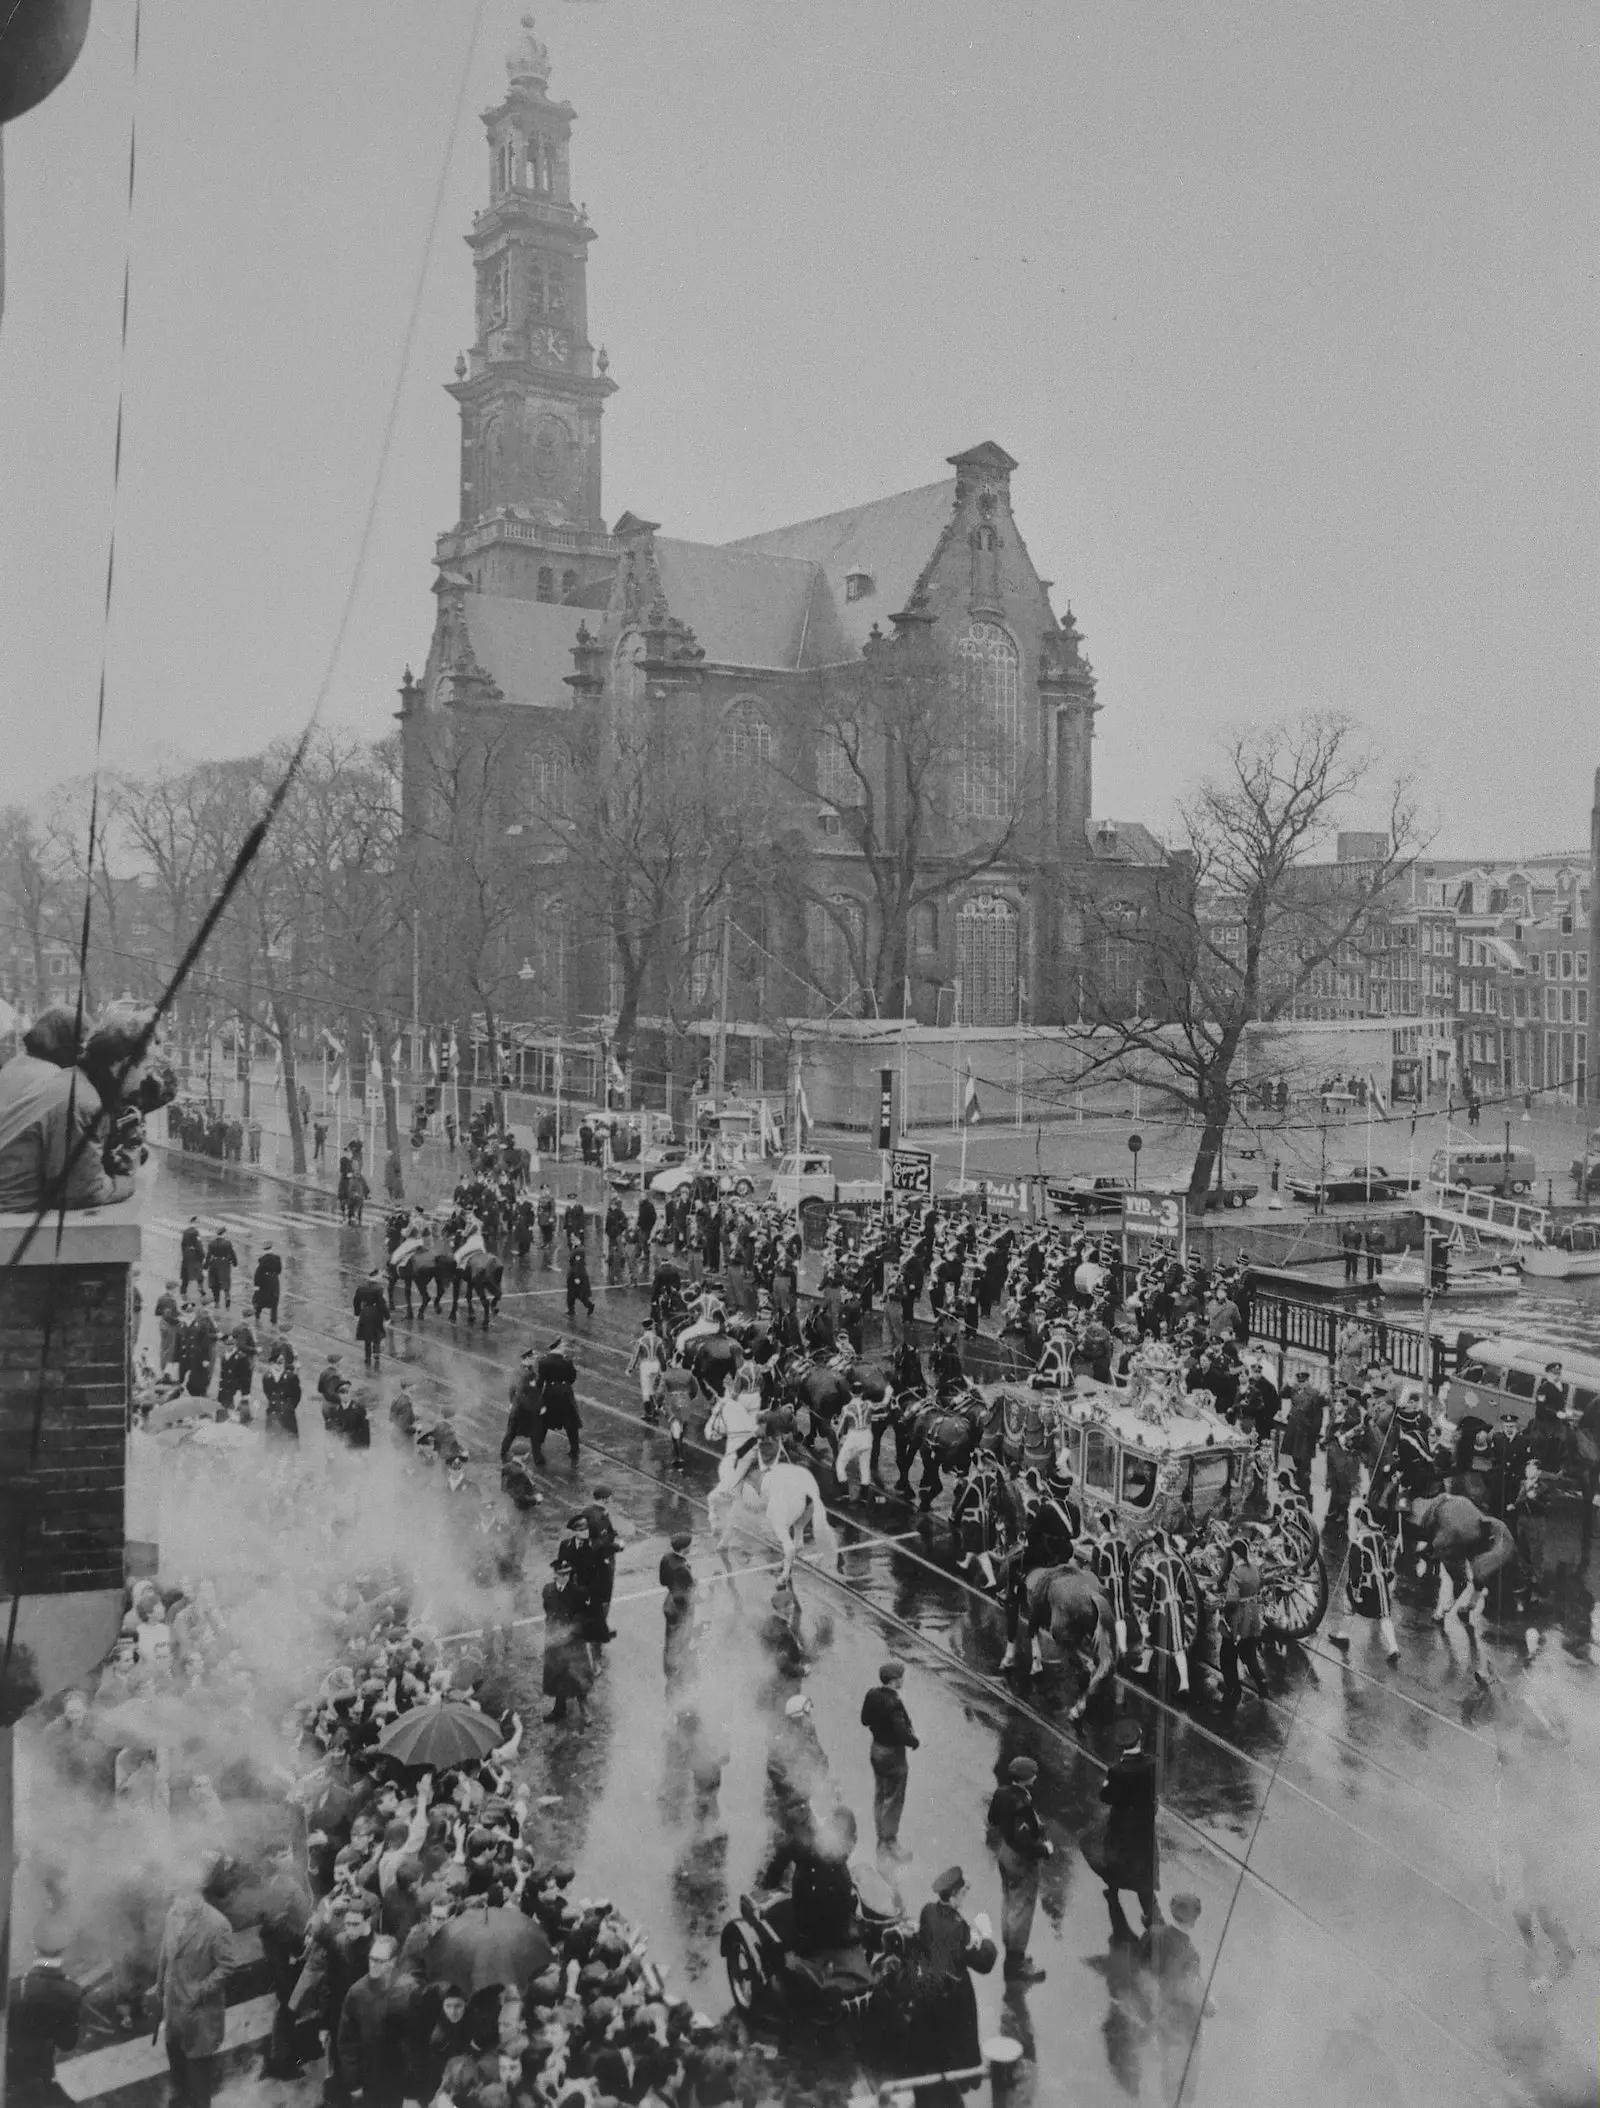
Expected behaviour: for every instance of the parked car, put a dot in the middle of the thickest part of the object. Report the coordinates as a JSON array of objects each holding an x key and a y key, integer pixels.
[
  {"x": 1232, "y": 1193},
  {"x": 1350, "y": 1182},
  {"x": 1088, "y": 1196},
  {"x": 694, "y": 1170}
]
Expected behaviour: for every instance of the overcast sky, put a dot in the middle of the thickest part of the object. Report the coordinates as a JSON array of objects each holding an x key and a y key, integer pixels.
[{"x": 1288, "y": 314}]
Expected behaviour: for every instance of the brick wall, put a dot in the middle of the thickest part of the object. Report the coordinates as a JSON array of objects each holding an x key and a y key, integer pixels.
[{"x": 65, "y": 1341}]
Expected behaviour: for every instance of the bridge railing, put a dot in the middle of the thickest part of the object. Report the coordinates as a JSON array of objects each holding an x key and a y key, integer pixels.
[
  {"x": 1319, "y": 1330},
  {"x": 1518, "y": 1221}
]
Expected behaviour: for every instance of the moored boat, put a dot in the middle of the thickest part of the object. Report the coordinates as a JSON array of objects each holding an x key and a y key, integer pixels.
[{"x": 1568, "y": 1254}]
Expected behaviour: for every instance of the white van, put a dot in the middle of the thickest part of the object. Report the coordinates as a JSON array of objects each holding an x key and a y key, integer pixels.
[{"x": 1488, "y": 1169}]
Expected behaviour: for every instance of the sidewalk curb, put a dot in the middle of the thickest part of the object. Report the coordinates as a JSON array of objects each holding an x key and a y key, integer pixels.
[{"x": 296, "y": 1181}]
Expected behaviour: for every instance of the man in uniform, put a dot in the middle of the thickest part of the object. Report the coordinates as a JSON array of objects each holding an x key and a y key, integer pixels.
[
  {"x": 191, "y": 1257},
  {"x": 1369, "y": 1583},
  {"x": 677, "y": 1609},
  {"x": 604, "y": 1544},
  {"x": 1020, "y": 1847},
  {"x": 578, "y": 1288},
  {"x": 46, "y": 2009},
  {"x": 268, "y": 1283},
  {"x": 884, "y": 1716},
  {"x": 555, "y": 1375},
  {"x": 221, "y": 1259}
]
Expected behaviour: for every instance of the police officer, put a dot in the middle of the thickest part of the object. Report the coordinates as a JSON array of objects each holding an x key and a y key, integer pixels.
[
  {"x": 268, "y": 1284},
  {"x": 948, "y": 1949},
  {"x": 555, "y": 1374},
  {"x": 523, "y": 1419},
  {"x": 46, "y": 2010}
]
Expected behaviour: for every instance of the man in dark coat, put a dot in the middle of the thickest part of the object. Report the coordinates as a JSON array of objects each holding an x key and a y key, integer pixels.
[
  {"x": 268, "y": 1283},
  {"x": 604, "y": 1544},
  {"x": 191, "y": 1257},
  {"x": 197, "y": 1352},
  {"x": 1020, "y": 1845},
  {"x": 369, "y": 2050},
  {"x": 221, "y": 1259},
  {"x": 578, "y": 1289},
  {"x": 555, "y": 1377},
  {"x": 948, "y": 1951},
  {"x": 371, "y": 1307},
  {"x": 1123, "y": 1850},
  {"x": 884, "y": 1716},
  {"x": 522, "y": 1422},
  {"x": 46, "y": 2009},
  {"x": 285, "y": 1905}
]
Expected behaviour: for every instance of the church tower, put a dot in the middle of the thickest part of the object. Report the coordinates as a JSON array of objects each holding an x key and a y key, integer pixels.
[{"x": 531, "y": 389}]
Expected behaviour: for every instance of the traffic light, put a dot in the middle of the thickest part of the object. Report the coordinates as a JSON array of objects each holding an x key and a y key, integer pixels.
[{"x": 430, "y": 1100}]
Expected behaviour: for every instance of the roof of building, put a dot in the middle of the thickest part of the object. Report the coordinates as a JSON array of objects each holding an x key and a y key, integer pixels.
[
  {"x": 1123, "y": 842},
  {"x": 746, "y": 608},
  {"x": 526, "y": 645},
  {"x": 890, "y": 540}
]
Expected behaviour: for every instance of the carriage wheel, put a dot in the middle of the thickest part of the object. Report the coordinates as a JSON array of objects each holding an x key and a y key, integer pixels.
[
  {"x": 1165, "y": 1599},
  {"x": 1294, "y": 1599},
  {"x": 1298, "y": 1541},
  {"x": 747, "y": 1975}
]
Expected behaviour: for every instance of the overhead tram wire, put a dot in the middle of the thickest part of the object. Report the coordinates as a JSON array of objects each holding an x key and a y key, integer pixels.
[{"x": 251, "y": 845}]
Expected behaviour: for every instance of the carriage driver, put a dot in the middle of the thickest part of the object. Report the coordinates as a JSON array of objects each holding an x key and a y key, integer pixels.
[{"x": 741, "y": 1402}]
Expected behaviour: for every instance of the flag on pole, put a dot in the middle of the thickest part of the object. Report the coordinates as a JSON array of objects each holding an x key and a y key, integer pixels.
[
  {"x": 614, "y": 1070},
  {"x": 374, "y": 1070},
  {"x": 1379, "y": 1097},
  {"x": 802, "y": 1109},
  {"x": 970, "y": 1110},
  {"x": 433, "y": 1056}
]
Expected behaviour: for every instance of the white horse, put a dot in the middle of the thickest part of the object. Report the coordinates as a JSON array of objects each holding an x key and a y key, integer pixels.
[{"x": 786, "y": 1494}]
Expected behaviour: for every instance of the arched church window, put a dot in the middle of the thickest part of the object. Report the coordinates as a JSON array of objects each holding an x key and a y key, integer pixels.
[
  {"x": 986, "y": 959},
  {"x": 569, "y": 583},
  {"x": 551, "y": 783},
  {"x": 536, "y": 287},
  {"x": 989, "y": 741},
  {"x": 746, "y": 738},
  {"x": 547, "y": 583},
  {"x": 835, "y": 931},
  {"x": 837, "y": 781}
]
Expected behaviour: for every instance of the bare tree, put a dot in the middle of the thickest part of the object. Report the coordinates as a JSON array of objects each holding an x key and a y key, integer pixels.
[
  {"x": 929, "y": 792},
  {"x": 1240, "y": 924},
  {"x": 656, "y": 846},
  {"x": 476, "y": 888}
]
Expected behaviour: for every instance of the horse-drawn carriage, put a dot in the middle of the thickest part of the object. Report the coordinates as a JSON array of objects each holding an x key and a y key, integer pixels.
[{"x": 1166, "y": 1487}]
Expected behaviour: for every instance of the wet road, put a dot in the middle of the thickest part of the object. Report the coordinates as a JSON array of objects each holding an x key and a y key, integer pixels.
[{"x": 1344, "y": 1839}]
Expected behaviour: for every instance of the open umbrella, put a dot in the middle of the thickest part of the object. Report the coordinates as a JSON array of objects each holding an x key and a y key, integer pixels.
[
  {"x": 438, "y": 1737},
  {"x": 484, "y": 1946}
]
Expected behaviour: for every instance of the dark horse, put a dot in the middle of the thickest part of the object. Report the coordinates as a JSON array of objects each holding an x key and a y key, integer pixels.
[
  {"x": 712, "y": 1361},
  {"x": 480, "y": 1275},
  {"x": 423, "y": 1271},
  {"x": 947, "y": 1434}
]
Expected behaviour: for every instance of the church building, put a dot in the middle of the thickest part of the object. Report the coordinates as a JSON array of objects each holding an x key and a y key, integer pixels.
[{"x": 548, "y": 624}]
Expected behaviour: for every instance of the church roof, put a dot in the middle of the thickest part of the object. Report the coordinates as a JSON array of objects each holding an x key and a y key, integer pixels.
[
  {"x": 891, "y": 541},
  {"x": 1123, "y": 842},
  {"x": 525, "y": 645},
  {"x": 745, "y": 608}
]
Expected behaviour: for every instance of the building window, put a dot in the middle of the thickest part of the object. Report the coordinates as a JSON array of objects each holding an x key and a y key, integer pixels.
[
  {"x": 925, "y": 925},
  {"x": 569, "y": 583},
  {"x": 1566, "y": 1006},
  {"x": 558, "y": 291},
  {"x": 536, "y": 290},
  {"x": 547, "y": 583},
  {"x": 550, "y": 783},
  {"x": 858, "y": 585},
  {"x": 746, "y": 738},
  {"x": 1566, "y": 966},
  {"x": 837, "y": 781},
  {"x": 1583, "y": 966},
  {"x": 989, "y": 748},
  {"x": 986, "y": 960},
  {"x": 833, "y": 934},
  {"x": 1583, "y": 1006}
]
